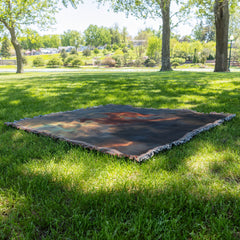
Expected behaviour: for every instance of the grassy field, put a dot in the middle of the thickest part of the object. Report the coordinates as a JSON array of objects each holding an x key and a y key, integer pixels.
[{"x": 52, "y": 190}]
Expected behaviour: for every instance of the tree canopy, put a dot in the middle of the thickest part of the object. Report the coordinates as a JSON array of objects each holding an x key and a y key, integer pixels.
[{"x": 17, "y": 15}]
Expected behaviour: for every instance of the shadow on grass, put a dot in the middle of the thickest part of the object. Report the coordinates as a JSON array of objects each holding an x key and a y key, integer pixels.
[
  {"x": 45, "y": 206},
  {"x": 106, "y": 197}
]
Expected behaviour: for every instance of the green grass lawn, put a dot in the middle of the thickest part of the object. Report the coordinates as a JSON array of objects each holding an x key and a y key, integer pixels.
[{"x": 52, "y": 190}]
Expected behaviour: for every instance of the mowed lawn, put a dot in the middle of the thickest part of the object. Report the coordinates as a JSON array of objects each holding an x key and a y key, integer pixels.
[{"x": 53, "y": 190}]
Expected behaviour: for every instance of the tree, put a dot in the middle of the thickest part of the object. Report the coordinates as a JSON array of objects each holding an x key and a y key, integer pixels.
[
  {"x": 205, "y": 32},
  {"x": 15, "y": 15},
  {"x": 154, "y": 48},
  {"x": 124, "y": 35},
  {"x": 221, "y": 10},
  {"x": 115, "y": 35},
  {"x": 31, "y": 41},
  {"x": 51, "y": 41},
  {"x": 72, "y": 38},
  {"x": 144, "y": 35},
  {"x": 5, "y": 50},
  {"x": 97, "y": 36},
  {"x": 144, "y": 9},
  {"x": 234, "y": 25}
]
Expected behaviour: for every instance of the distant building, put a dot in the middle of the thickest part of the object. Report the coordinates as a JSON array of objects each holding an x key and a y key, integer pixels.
[{"x": 48, "y": 50}]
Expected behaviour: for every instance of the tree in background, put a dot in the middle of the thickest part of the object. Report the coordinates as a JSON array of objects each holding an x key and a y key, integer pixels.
[
  {"x": 97, "y": 36},
  {"x": 154, "y": 48},
  {"x": 144, "y": 9},
  {"x": 51, "y": 41},
  {"x": 72, "y": 38},
  {"x": 205, "y": 32},
  {"x": 234, "y": 26},
  {"x": 5, "y": 49},
  {"x": 16, "y": 15},
  {"x": 144, "y": 34},
  {"x": 220, "y": 10},
  {"x": 124, "y": 36},
  {"x": 115, "y": 35},
  {"x": 32, "y": 40}
]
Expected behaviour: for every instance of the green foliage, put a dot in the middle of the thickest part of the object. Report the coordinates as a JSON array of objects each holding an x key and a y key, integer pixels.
[
  {"x": 74, "y": 51},
  {"x": 73, "y": 61},
  {"x": 109, "y": 47},
  {"x": 38, "y": 62},
  {"x": 63, "y": 54},
  {"x": 86, "y": 52},
  {"x": 178, "y": 60},
  {"x": 96, "y": 50},
  {"x": 17, "y": 14},
  {"x": 118, "y": 52},
  {"x": 154, "y": 48},
  {"x": 31, "y": 40},
  {"x": 125, "y": 50},
  {"x": 68, "y": 60},
  {"x": 138, "y": 62},
  {"x": 115, "y": 35},
  {"x": 115, "y": 47},
  {"x": 105, "y": 51},
  {"x": 77, "y": 62},
  {"x": 24, "y": 60},
  {"x": 54, "y": 62},
  {"x": 205, "y": 33},
  {"x": 51, "y": 41},
  {"x": 97, "y": 36},
  {"x": 119, "y": 60},
  {"x": 5, "y": 49},
  {"x": 72, "y": 38},
  {"x": 175, "y": 64},
  {"x": 150, "y": 62}
]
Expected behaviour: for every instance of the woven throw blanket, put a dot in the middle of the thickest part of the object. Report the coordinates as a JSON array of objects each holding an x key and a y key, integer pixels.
[{"x": 125, "y": 131}]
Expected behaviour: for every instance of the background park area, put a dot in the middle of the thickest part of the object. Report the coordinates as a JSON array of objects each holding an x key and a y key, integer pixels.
[{"x": 50, "y": 189}]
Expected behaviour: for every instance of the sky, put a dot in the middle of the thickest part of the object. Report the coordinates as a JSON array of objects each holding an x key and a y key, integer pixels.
[{"x": 88, "y": 13}]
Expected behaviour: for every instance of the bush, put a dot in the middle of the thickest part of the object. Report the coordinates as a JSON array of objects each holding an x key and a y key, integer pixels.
[
  {"x": 38, "y": 62},
  {"x": 96, "y": 50},
  {"x": 125, "y": 50},
  {"x": 76, "y": 62},
  {"x": 138, "y": 62},
  {"x": 109, "y": 61},
  {"x": 150, "y": 62},
  {"x": 178, "y": 60},
  {"x": 54, "y": 62},
  {"x": 63, "y": 54},
  {"x": 68, "y": 60},
  {"x": 86, "y": 52},
  {"x": 175, "y": 64},
  {"x": 115, "y": 46},
  {"x": 109, "y": 48},
  {"x": 97, "y": 62},
  {"x": 119, "y": 60},
  {"x": 105, "y": 52},
  {"x": 74, "y": 51}
]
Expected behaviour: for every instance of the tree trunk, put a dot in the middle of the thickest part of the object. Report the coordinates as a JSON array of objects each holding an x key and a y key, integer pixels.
[
  {"x": 221, "y": 12},
  {"x": 165, "y": 8},
  {"x": 17, "y": 48}
]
